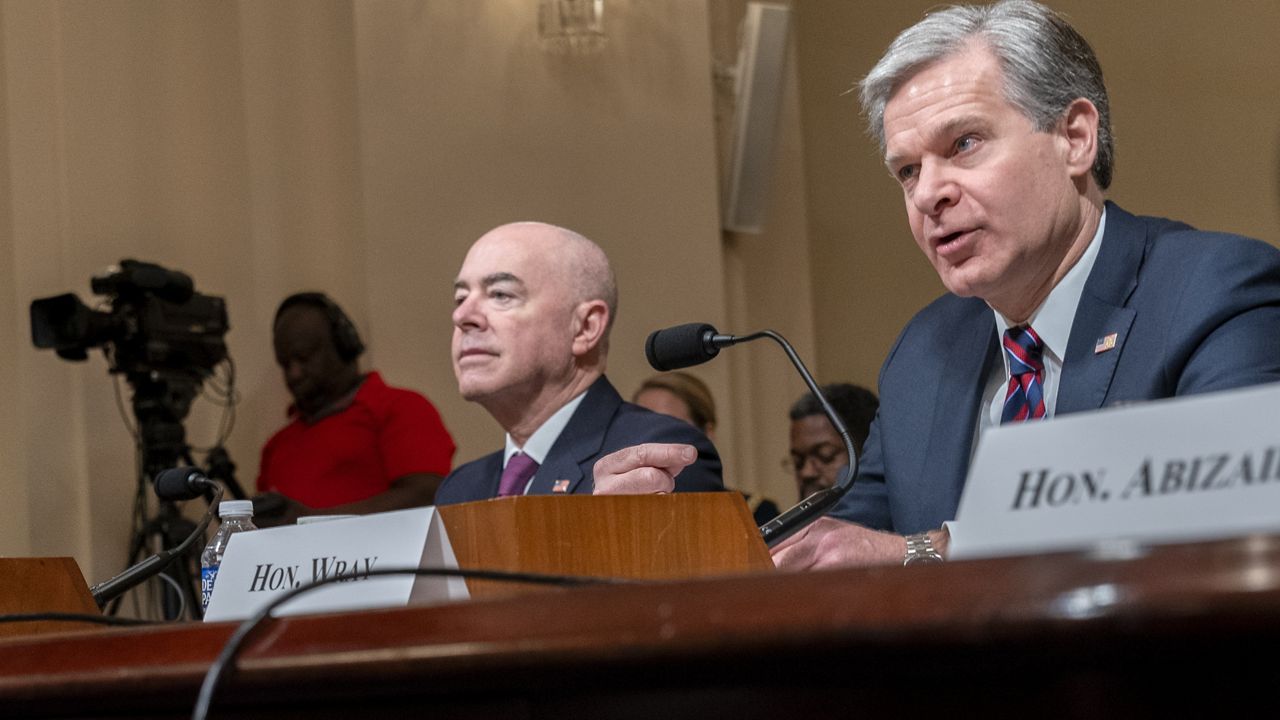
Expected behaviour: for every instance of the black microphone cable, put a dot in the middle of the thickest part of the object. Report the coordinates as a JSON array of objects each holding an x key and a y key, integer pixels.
[
  {"x": 172, "y": 484},
  {"x": 695, "y": 343},
  {"x": 77, "y": 618},
  {"x": 231, "y": 650}
]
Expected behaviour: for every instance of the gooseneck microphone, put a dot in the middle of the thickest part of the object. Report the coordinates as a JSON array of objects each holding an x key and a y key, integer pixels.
[
  {"x": 695, "y": 343},
  {"x": 182, "y": 483},
  {"x": 685, "y": 345}
]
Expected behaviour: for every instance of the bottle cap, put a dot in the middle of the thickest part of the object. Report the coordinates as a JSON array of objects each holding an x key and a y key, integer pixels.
[{"x": 235, "y": 507}]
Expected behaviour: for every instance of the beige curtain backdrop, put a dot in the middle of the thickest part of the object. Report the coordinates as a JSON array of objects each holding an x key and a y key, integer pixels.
[{"x": 358, "y": 147}]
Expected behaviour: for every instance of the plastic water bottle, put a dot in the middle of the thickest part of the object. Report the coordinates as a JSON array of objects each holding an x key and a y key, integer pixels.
[{"x": 236, "y": 516}]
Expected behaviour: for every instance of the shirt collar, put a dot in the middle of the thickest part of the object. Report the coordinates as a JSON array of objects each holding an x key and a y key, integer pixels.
[
  {"x": 338, "y": 405},
  {"x": 1053, "y": 319},
  {"x": 540, "y": 442}
]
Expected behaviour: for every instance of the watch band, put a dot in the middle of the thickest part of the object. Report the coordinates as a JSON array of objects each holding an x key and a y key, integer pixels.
[{"x": 920, "y": 550}]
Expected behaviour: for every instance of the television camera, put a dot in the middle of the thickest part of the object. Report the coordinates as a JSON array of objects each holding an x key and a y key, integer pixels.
[{"x": 166, "y": 339}]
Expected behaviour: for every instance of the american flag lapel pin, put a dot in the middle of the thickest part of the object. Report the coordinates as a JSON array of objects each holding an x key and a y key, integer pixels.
[
  {"x": 560, "y": 486},
  {"x": 1105, "y": 343}
]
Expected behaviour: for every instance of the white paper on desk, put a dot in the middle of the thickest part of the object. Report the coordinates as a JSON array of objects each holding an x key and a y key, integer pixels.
[
  {"x": 1184, "y": 469},
  {"x": 261, "y": 565}
]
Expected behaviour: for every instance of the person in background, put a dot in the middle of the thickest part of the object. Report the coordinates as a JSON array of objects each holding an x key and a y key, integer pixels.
[
  {"x": 817, "y": 452},
  {"x": 353, "y": 444},
  {"x": 684, "y": 396}
]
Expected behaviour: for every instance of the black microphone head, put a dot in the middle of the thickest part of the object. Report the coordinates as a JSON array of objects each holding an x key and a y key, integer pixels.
[
  {"x": 181, "y": 483},
  {"x": 681, "y": 346}
]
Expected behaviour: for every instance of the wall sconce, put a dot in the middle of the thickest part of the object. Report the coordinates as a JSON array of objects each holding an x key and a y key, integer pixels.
[{"x": 571, "y": 26}]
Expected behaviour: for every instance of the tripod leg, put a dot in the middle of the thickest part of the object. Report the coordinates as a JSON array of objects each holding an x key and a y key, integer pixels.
[
  {"x": 173, "y": 529},
  {"x": 137, "y": 544},
  {"x": 179, "y": 598}
]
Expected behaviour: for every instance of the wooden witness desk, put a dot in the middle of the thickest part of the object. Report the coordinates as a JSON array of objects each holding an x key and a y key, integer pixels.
[{"x": 1183, "y": 630}]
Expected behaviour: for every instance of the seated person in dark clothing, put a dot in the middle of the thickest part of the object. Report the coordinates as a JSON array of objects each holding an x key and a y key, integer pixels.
[
  {"x": 353, "y": 445},
  {"x": 817, "y": 452},
  {"x": 684, "y": 396},
  {"x": 533, "y": 305}
]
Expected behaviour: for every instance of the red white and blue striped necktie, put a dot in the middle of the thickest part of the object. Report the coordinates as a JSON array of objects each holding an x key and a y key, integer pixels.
[{"x": 1024, "y": 398}]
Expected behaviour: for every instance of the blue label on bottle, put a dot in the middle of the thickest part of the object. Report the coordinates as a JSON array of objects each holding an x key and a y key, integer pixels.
[{"x": 207, "y": 576}]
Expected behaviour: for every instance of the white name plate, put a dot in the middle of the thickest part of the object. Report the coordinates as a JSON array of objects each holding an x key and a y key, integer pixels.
[
  {"x": 261, "y": 565},
  {"x": 1184, "y": 469}
]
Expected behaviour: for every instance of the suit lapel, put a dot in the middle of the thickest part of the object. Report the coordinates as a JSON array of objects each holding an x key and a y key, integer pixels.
[
  {"x": 580, "y": 440},
  {"x": 557, "y": 469},
  {"x": 490, "y": 475},
  {"x": 1086, "y": 374},
  {"x": 1092, "y": 353},
  {"x": 958, "y": 396}
]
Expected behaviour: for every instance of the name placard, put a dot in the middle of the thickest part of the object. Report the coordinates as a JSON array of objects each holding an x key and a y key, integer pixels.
[
  {"x": 1184, "y": 469},
  {"x": 261, "y": 565}
]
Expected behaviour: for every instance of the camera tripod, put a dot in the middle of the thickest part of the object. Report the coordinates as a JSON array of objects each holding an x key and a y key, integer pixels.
[{"x": 161, "y": 402}]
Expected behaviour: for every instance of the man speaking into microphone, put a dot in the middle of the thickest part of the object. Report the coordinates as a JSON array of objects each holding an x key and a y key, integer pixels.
[{"x": 995, "y": 122}]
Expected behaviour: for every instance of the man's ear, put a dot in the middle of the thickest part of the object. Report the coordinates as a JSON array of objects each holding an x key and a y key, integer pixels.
[
  {"x": 1079, "y": 130},
  {"x": 590, "y": 318}
]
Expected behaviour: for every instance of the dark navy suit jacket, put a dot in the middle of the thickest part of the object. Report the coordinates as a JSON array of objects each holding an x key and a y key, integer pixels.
[
  {"x": 602, "y": 424},
  {"x": 1192, "y": 312}
]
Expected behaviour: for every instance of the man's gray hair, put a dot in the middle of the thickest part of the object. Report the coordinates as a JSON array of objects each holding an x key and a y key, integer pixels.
[
  {"x": 1047, "y": 65},
  {"x": 590, "y": 274}
]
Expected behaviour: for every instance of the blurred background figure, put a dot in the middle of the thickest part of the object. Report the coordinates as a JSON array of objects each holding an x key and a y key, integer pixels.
[
  {"x": 353, "y": 444},
  {"x": 817, "y": 453},
  {"x": 684, "y": 396}
]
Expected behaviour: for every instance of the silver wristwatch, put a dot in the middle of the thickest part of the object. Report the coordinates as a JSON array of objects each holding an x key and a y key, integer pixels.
[{"x": 920, "y": 550}]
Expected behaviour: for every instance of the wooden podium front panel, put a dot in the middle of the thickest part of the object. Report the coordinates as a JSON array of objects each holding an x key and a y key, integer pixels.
[
  {"x": 42, "y": 585},
  {"x": 1170, "y": 632},
  {"x": 649, "y": 537}
]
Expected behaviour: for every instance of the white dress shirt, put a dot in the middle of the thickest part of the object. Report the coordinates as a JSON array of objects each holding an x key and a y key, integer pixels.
[
  {"x": 540, "y": 442},
  {"x": 1052, "y": 322}
]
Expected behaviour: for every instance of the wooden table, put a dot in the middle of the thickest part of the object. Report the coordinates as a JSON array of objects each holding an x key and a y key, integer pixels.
[{"x": 1173, "y": 631}]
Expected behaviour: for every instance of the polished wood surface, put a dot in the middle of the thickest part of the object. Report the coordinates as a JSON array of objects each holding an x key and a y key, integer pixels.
[
  {"x": 42, "y": 585},
  {"x": 650, "y": 537},
  {"x": 1170, "y": 632}
]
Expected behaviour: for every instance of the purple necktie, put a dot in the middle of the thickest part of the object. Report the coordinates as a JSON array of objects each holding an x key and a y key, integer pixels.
[
  {"x": 516, "y": 475},
  {"x": 1024, "y": 398}
]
